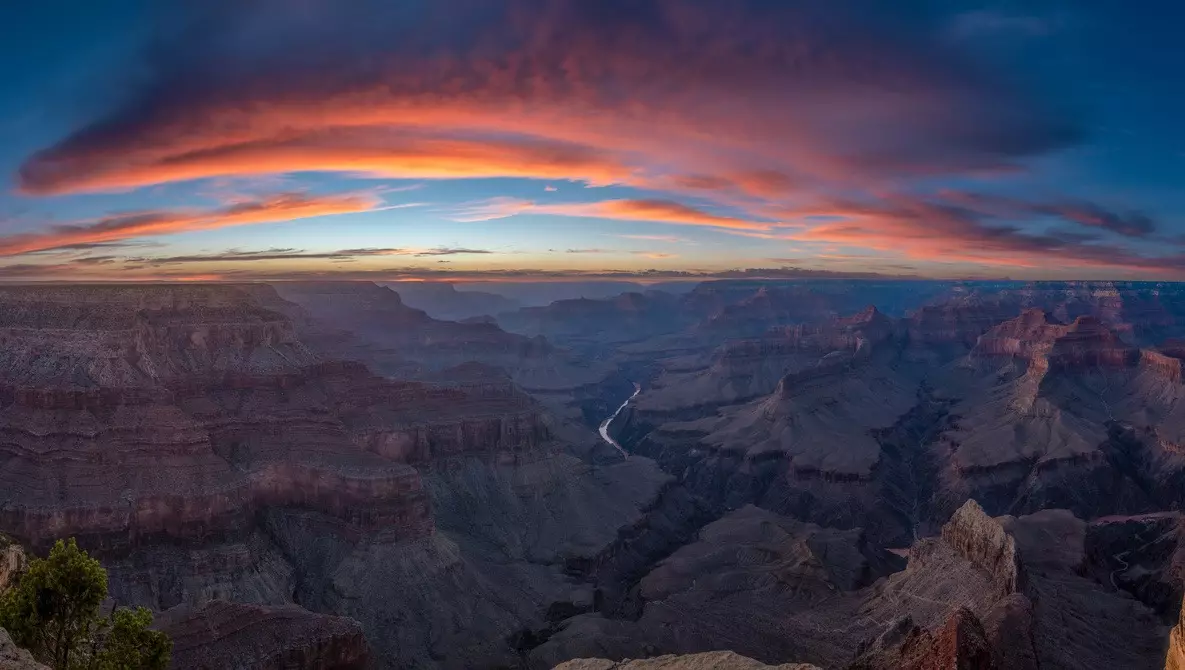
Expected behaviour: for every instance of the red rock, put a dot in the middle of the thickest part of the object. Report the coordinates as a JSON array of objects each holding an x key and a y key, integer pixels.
[{"x": 961, "y": 644}]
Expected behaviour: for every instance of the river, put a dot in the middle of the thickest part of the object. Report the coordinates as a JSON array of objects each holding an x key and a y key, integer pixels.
[{"x": 605, "y": 424}]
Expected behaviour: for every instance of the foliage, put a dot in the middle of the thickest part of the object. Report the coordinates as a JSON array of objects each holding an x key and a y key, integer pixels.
[
  {"x": 129, "y": 643},
  {"x": 54, "y": 612}
]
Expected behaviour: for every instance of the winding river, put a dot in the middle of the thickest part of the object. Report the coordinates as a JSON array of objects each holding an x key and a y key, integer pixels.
[{"x": 605, "y": 424}]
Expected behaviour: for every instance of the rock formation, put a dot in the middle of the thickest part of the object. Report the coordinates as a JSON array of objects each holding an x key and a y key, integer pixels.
[
  {"x": 193, "y": 441},
  {"x": 302, "y": 473},
  {"x": 235, "y": 636},
  {"x": 960, "y": 644},
  {"x": 984, "y": 542},
  {"x": 713, "y": 660},
  {"x": 1175, "y": 656},
  {"x": 13, "y": 657},
  {"x": 12, "y": 562}
]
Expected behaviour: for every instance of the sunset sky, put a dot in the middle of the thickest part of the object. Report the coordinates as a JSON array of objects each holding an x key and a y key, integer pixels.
[{"x": 483, "y": 139}]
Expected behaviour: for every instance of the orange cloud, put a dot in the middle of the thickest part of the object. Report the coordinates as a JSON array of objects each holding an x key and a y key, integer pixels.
[
  {"x": 372, "y": 152},
  {"x": 651, "y": 210},
  {"x": 934, "y": 231},
  {"x": 661, "y": 211},
  {"x": 553, "y": 89},
  {"x": 283, "y": 207}
]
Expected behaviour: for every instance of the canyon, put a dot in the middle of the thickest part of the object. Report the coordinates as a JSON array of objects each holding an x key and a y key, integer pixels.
[{"x": 834, "y": 473}]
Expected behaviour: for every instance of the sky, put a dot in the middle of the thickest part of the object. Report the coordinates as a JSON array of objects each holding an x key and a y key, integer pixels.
[{"x": 650, "y": 139}]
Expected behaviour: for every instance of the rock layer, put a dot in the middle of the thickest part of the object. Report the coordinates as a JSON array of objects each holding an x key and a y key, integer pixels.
[
  {"x": 243, "y": 637},
  {"x": 713, "y": 660},
  {"x": 983, "y": 541}
]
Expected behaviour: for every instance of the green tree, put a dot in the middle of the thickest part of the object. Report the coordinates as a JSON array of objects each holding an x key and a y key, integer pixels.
[
  {"x": 53, "y": 611},
  {"x": 129, "y": 643}
]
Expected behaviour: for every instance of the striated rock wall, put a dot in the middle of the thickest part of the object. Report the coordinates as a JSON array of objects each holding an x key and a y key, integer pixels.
[
  {"x": 1163, "y": 366},
  {"x": 984, "y": 542},
  {"x": 134, "y": 413},
  {"x": 247, "y": 637}
]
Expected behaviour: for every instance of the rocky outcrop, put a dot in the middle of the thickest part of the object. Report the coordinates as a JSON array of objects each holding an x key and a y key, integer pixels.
[
  {"x": 713, "y": 660},
  {"x": 12, "y": 562},
  {"x": 245, "y": 637},
  {"x": 1085, "y": 344},
  {"x": 13, "y": 657},
  {"x": 1162, "y": 365},
  {"x": 955, "y": 323},
  {"x": 983, "y": 541},
  {"x": 1175, "y": 656},
  {"x": 960, "y": 644}
]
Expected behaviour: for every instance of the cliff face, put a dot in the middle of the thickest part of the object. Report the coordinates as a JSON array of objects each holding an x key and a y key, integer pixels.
[
  {"x": 369, "y": 323},
  {"x": 12, "y": 562},
  {"x": 1085, "y": 344},
  {"x": 1175, "y": 657},
  {"x": 131, "y": 413},
  {"x": 196, "y": 443},
  {"x": 983, "y": 541},
  {"x": 744, "y": 369},
  {"x": 961, "y": 643},
  {"x": 227, "y": 635}
]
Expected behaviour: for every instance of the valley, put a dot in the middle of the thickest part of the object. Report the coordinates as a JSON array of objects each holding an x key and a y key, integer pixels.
[{"x": 841, "y": 473}]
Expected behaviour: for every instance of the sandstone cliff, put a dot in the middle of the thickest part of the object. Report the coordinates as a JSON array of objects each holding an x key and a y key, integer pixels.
[
  {"x": 1175, "y": 657},
  {"x": 984, "y": 542}
]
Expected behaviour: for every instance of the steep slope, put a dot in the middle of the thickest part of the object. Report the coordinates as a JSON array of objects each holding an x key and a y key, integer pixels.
[
  {"x": 226, "y": 635},
  {"x": 190, "y": 439},
  {"x": 740, "y": 370},
  {"x": 136, "y": 413},
  {"x": 826, "y": 445},
  {"x": 1041, "y": 404},
  {"x": 364, "y": 322},
  {"x": 986, "y": 593}
]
